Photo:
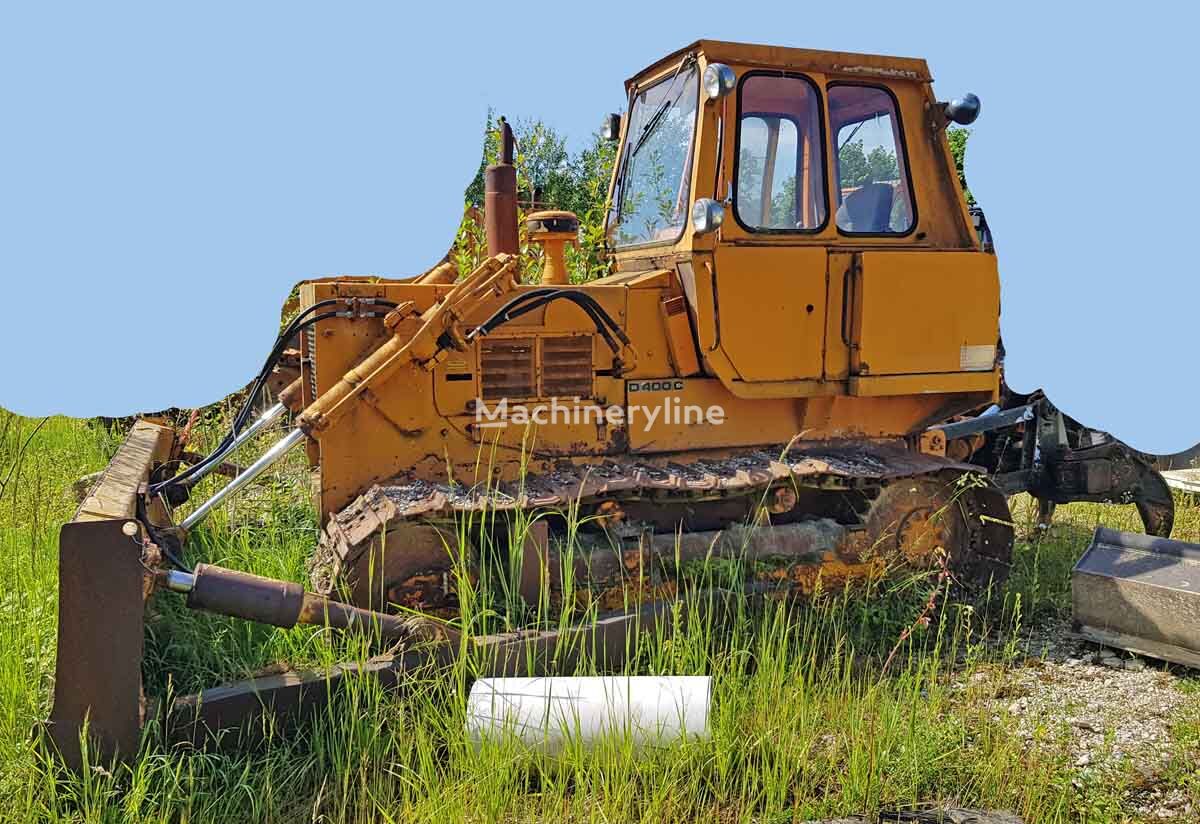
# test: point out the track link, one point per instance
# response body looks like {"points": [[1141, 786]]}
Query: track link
{"points": [[880, 505]]}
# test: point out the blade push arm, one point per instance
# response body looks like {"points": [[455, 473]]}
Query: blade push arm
{"points": [[436, 331], [420, 338]]}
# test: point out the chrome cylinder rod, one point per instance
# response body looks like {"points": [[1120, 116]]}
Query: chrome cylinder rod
{"points": [[179, 581], [267, 417], [255, 469]]}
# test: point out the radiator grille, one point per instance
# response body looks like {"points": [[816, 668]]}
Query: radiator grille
{"points": [[567, 366], [507, 368]]}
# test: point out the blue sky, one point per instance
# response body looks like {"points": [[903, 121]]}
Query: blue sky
{"points": [[168, 172]]}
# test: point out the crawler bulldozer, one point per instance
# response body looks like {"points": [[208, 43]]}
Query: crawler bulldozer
{"points": [[794, 359]]}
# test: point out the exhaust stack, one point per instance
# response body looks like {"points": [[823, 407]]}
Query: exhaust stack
{"points": [[500, 199]]}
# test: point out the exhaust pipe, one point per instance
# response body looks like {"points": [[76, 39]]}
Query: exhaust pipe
{"points": [[500, 199]]}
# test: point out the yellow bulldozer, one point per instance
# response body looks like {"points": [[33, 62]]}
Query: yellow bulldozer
{"points": [[796, 358]]}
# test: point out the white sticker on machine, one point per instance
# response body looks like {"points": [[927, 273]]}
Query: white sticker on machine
{"points": [[976, 358]]}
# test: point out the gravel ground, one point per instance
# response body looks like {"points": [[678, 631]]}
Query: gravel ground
{"points": [[1105, 707]]}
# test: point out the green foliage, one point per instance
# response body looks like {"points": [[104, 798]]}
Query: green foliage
{"points": [[859, 168], [783, 199], [549, 176], [783, 204], [557, 179], [805, 722], [958, 147], [592, 170], [652, 208]]}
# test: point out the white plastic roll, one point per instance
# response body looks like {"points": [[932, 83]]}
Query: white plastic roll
{"points": [[547, 712]]}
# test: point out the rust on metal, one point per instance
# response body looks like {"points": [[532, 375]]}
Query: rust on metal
{"points": [[916, 508], [286, 373], [225, 468], [242, 595], [782, 499], [276, 701], [291, 395], [102, 587], [286, 604], [397, 544], [719, 474], [500, 199]]}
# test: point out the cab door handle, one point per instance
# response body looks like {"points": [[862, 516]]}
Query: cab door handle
{"points": [[852, 310], [850, 301]]}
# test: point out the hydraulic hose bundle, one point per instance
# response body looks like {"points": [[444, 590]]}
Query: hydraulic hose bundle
{"points": [[238, 434]]}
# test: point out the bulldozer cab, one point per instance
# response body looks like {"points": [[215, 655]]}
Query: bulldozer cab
{"points": [[808, 202]]}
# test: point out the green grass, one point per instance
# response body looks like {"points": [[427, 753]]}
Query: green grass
{"points": [[806, 721]]}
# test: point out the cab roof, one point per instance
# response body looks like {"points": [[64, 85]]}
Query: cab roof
{"points": [[783, 57]]}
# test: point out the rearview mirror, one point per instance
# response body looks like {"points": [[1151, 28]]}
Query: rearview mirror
{"points": [[963, 110], [610, 130]]}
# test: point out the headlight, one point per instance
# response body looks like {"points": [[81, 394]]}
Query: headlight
{"points": [[719, 80], [707, 215]]}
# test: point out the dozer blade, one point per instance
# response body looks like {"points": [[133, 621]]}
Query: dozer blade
{"points": [[102, 588], [1139, 593]]}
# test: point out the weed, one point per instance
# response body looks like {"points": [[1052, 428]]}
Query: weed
{"points": [[808, 719]]}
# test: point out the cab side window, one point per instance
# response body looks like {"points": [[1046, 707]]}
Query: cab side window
{"points": [[873, 193], [780, 181]]}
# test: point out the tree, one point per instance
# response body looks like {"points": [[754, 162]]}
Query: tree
{"points": [[958, 148], [882, 166], [749, 184], [852, 165], [783, 205], [857, 168], [542, 161], [549, 177]]}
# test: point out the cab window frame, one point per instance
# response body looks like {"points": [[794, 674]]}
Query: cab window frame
{"points": [[835, 161], [822, 141], [689, 173]]}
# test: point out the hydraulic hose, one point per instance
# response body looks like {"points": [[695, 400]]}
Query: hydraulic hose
{"points": [[604, 323], [231, 440]]}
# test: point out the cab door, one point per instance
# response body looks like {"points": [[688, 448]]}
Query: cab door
{"points": [[770, 266], [913, 319]]}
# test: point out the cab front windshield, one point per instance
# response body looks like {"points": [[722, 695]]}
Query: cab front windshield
{"points": [[650, 204]]}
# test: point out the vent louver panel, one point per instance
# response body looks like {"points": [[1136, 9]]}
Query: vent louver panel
{"points": [[567, 366], [507, 366], [536, 367]]}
